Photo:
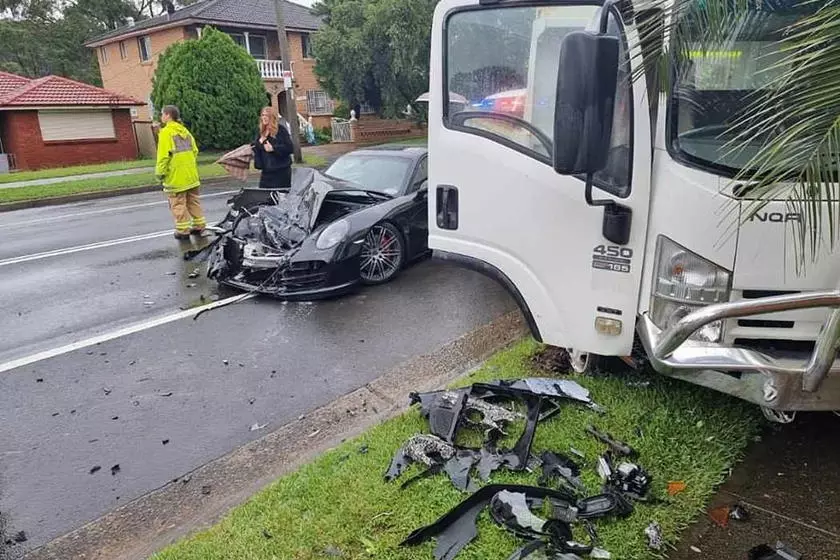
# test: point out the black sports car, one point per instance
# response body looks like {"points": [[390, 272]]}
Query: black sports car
{"points": [[360, 222]]}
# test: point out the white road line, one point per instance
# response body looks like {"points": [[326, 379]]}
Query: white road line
{"points": [[80, 248], [103, 211], [125, 331]]}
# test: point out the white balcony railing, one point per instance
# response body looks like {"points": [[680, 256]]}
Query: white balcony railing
{"points": [[270, 69]]}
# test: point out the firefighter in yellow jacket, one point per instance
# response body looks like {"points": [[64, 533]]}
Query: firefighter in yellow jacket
{"points": [[177, 169]]}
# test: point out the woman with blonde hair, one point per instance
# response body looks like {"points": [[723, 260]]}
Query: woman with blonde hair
{"points": [[273, 152]]}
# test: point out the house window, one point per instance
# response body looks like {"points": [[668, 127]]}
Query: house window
{"points": [[103, 54], [366, 108], [123, 50], [61, 126], [306, 45], [254, 44], [145, 45], [258, 47], [317, 102]]}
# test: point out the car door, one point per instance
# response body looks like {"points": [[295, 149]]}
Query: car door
{"points": [[418, 221], [497, 204]]}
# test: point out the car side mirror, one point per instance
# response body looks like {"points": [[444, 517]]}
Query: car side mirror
{"points": [[583, 112]]}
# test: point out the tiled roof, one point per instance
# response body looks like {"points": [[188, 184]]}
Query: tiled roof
{"points": [[238, 13], [11, 82], [57, 91]]}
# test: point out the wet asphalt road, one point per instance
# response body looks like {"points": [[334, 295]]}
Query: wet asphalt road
{"points": [[199, 385]]}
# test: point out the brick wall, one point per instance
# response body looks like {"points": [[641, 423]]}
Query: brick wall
{"points": [[22, 137], [131, 76]]}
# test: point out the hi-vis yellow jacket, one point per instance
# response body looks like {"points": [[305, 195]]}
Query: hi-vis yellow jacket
{"points": [[176, 158]]}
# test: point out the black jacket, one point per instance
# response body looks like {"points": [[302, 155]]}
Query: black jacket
{"points": [[280, 158]]}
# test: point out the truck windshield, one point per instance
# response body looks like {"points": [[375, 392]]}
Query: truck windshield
{"points": [[716, 83]]}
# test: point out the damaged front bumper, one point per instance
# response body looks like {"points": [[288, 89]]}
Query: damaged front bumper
{"points": [[781, 382]]}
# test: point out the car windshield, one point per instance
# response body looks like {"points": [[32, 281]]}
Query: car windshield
{"points": [[385, 174], [716, 84]]}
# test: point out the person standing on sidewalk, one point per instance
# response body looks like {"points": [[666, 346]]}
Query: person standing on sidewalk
{"points": [[177, 169], [273, 152]]}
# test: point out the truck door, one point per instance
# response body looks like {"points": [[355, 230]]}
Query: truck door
{"points": [[495, 200]]}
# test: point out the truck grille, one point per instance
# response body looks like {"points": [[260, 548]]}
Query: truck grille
{"points": [[786, 333]]}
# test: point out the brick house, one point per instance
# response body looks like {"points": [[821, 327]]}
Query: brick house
{"points": [[128, 56], [56, 122]]}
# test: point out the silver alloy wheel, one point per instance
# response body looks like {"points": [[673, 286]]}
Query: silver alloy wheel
{"points": [[382, 254]]}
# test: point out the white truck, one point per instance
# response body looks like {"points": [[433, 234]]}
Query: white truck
{"points": [[608, 208]]}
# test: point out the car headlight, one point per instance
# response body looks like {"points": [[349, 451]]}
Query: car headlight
{"points": [[333, 234], [685, 282]]}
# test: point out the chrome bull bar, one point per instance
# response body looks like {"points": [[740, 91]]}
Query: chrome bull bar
{"points": [[671, 350]]}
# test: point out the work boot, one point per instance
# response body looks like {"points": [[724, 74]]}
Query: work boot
{"points": [[197, 231], [181, 235]]}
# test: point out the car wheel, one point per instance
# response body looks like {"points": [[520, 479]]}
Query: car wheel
{"points": [[382, 254]]}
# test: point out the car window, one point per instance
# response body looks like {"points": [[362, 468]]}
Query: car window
{"points": [[420, 175], [385, 174]]}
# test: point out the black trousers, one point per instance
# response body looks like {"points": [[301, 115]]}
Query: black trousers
{"points": [[276, 178]]}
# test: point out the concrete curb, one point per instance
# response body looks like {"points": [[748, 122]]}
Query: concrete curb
{"points": [[151, 522]]}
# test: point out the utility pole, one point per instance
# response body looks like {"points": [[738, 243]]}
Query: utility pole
{"points": [[291, 102]]}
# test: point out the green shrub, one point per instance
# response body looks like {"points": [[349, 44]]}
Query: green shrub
{"points": [[324, 135], [342, 111], [217, 86]]}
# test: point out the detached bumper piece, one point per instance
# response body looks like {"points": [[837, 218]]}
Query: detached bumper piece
{"points": [[780, 381], [543, 516]]}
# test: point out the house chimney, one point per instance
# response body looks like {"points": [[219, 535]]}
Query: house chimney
{"points": [[129, 21]]}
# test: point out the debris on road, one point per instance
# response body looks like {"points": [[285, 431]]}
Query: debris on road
{"points": [[543, 515], [654, 534], [167, 394], [695, 549], [675, 487], [617, 447], [115, 469], [739, 513], [205, 490], [39, 380], [720, 516], [95, 469], [194, 274], [256, 426], [106, 390], [165, 442], [780, 552]]}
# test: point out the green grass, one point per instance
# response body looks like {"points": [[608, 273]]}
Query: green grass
{"points": [[340, 500], [207, 157], [114, 183]]}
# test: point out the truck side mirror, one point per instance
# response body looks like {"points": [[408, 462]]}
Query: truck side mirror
{"points": [[583, 110]]}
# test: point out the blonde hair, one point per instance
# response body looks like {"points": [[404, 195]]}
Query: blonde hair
{"points": [[273, 122]]}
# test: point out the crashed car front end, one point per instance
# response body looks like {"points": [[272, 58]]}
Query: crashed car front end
{"points": [[290, 245]]}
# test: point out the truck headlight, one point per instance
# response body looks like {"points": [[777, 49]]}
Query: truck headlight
{"points": [[684, 282], [333, 235]]}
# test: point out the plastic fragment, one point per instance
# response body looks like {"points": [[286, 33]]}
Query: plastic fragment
{"points": [[739, 513], [720, 516], [257, 426], [654, 535], [675, 487], [600, 553], [695, 549]]}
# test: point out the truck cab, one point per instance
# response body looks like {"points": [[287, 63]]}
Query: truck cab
{"points": [[607, 203]]}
